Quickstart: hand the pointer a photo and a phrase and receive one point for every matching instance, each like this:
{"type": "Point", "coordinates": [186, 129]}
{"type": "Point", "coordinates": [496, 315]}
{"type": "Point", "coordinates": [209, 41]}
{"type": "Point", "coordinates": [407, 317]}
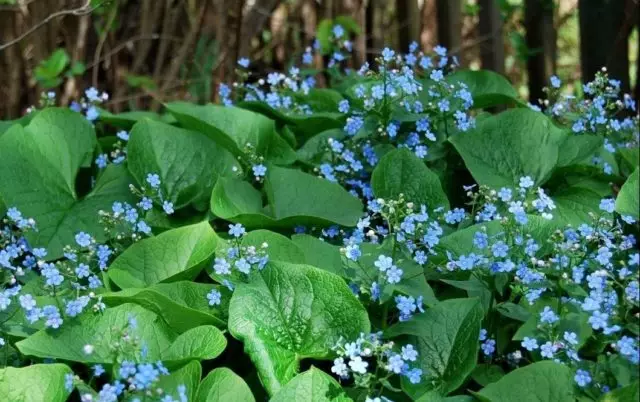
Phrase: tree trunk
{"type": "Point", "coordinates": [450, 23]}
{"type": "Point", "coordinates": [490, 36]}
{"type": "Point", "coordinates": [541, 43]}
{"type": "Point", "coordinates": [604, 34]}
{"type": "Point", "coordinates": [255, 19]}
{"type": "Point", "coordinates": [429, 25]}
{"type": "Point", "coordinates": [408, 19]}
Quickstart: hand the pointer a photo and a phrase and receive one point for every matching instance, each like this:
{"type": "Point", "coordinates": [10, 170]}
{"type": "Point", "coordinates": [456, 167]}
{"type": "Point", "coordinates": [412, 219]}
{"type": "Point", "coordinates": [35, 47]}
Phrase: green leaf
{"type": "Point", "coordinates": [234, 129]}
{"type": "Point", "coordinates": [183, 305]}
{"type": "Point", "coordinates": [460, 242]}
{"type": "Point", "coordinates": [487, 87]}
{"type": "Point", "coordinates": [630, 155]}
{"type": "Point", "coordinates": [173, 255]}
{"type": "Point", "coordinates": [320, 253]}
{"type": "Point", "coordinates": [126, 120]}
{"type": "Point", "coordinates": [324, 35]}
{"type": "Point", "coordinates": [37, 383]}
{"type": "Point", "coordinates": [223, 385]}
{"type": "Point", "coordinates": [200, 343]}
{"type": "Point", "coordinates": [574, 204]}
{"type": "Point", "coordinates": [485, 374]}
{"type": "Point", "coordinates": [627, 202]}
{"type": "Point", "coordinates": [290, 312]}
{"type": "Point", "coordinates": [401, 172]}
{"type": "Point", "coordinates": [281, 248]}
{"type": "Point", "coordinates": [188, 375]}
{"type": "Point", "coordinates": [52, 67]}
{"type": "Point", "coordinates": [505, 147]}
{"type": "Point", "coordinates": [446, 337]}
{"type": "Point", "coordinates": [544, 381]}
{"type": "Point", "coordinates": [188, 163]}
{"type": "Point", "coordinates": [513, 311]}
{"type": "Point", "coordinates": [313, 385]}
{"type": "Point", "coordinates": [628, 393]}
{"type": "Point", "coordinates": [413, 282]}
{"type": "Point", "coordinates": [575, 148]}
{"type": "Point", "coordinates": [38, 172]}
{"type": "Point", "coordinates": [101, 331]}
{"type": "Point", "coordinates": [294, 198]}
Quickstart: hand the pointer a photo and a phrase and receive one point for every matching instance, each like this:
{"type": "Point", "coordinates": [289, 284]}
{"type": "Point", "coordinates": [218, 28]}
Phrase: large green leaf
{"type": "Point", "coordinates": [37, 383]}
{"type": "Point", "coordinates": [38, 172]}
{"type": "Point", "coordinates": [101, 331]}
{"type": "Point", "coordinates": [171, 256]}
{"type": "Point", "coordinates": [235, 129]}
{"type": "Point", "coordinates": [504, 147]}
{"type": "Point", "coordinates": [290, 312]}
{"type": "Point", "coordinates": [575, 148]}
{"type": "Point", "coordinates": [281, 248]}
{"type": "Point", "coordinates": [304, 125]}
{"type": "Point", "coordinates": [294, 198]}
{"type": "Point", "coordinates": [624, 394]}
{"type": "Point", "coordinates": [320, 253]}
{"type": "Point", "coordinates": [188, 163]}
{"type": "Point", "coordinates": [401, 172]}
{"type": "Point", "coordinates": [183, 305]}
{"type": "Point", "coordinates": [574, 204]}
{"type": "Point", "coordinates": [188, 375]}
{"type": "Point", "coordinates": [446, 337]}
{"type": "Point", "coordinates": [223, 385]}
{"type": "Point", "coordinates": [313, 385]}
{"type": "Point", "coordinates": [200, 343]}
{"type": "Point", "coordinates": [544, 381]}
{"type": "Point", "coordinates": [627, 202]}
{"type": "Point", "coordinates": [488, 88]}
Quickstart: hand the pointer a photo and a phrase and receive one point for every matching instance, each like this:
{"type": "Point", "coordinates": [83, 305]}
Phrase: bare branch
{"type": "Point", "coordinates": [83, 10]}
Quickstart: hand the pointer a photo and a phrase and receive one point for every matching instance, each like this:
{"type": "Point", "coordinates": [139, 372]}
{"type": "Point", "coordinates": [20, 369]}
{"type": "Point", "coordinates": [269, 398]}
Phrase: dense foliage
{"type": "Point", "coordinates": [416, 232]}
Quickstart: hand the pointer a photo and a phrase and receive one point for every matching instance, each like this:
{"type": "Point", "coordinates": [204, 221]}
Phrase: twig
{"type": "Point", "coordinates": [103, 38]}
{"type": "Point", "coordinates": [126, 43]}
{"type": "Point", "coordinates": [83, 10]}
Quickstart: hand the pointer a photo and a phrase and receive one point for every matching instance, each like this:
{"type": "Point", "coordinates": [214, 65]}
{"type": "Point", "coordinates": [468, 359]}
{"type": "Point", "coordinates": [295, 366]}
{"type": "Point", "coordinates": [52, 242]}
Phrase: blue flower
{"type": "Point", "coordinates": [526, 182]}
{"type": "Point", "coordinates": [555, 81]}
{"type": "Point", "coordinates": [214, 297]}
{"type": "Point", "coordinates": [436, 75]}
{"type": "Point", "coordinates": [259, 170]}
{"type": "Point", "coordinates": [388, 54]}
{"type": "Point", "coordinates": [530, 344]}
{"type": "Point", "coordinates": [582, 378]}
{"type": "Point", "coordinates": [394, 275]}
{"type": "Point", "coordinates": [236, 230]}
{"type": "Point", "coordinates": [68, 382]}
{"type": "Point", "coordinates": [153, 179]}
{"type": "Point", "coordinates": [343, 106]}
{"type": "Point", "coordinates": [167, 207]}
{"type": "Point", "coordinates": [548, 316]}
{"type": "Point", "coordinates": [243, 62]}
{"type": "Point", "coordinates": [83, 239]}
{"type": "Point", "coordinates": [608, 205]}
{"type": "Point", "coordinates": [414, 375]}
{"type": "Point", "coordinates": [338, 31]}
{"type": "Point", "coordinates": [101, 161]}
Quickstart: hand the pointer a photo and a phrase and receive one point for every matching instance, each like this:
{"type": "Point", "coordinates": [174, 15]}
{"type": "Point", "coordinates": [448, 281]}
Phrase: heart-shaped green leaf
{"type": "Point", "coordinates": [290, 312]}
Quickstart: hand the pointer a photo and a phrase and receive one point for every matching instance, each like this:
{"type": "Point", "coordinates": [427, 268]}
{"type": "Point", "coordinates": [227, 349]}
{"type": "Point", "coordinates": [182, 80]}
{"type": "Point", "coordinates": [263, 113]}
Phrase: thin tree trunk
{"type": "Point", "coordinates": [490, 27]}
{"type": "Point", "coordinates": [408, 19]}
{"type": "Point", "coordinates": [254, 21]}
{"type": "Point", "coordinates": [604, 33]}
{"type": "Point", "coordinates": [429, 25]}
{"type": "Point", "coordinates": [541, 42]}
{"type": "Point", "coordinates": [450, 23]}
{"type": "Point", "coordinates": [370, 31]}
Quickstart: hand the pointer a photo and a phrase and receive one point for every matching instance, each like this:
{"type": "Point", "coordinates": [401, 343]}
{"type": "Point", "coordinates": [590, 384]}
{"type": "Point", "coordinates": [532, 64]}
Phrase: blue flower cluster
{"type": "Point", "coordinates": [358, 359]}
{"type": "Point", "coordinates": [238, 261]}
